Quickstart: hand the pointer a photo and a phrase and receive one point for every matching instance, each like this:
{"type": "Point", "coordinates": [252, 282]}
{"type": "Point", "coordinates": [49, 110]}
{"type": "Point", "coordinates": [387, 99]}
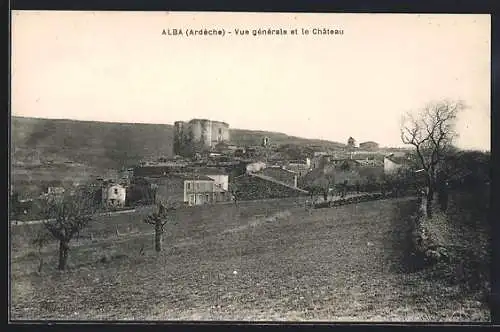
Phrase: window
{"type": "Point", "coordinates": [116, 191]}
{"type": "Point", "coordinates": [220, 131]}
{"type": "Point", "coordinates": [188, 186]}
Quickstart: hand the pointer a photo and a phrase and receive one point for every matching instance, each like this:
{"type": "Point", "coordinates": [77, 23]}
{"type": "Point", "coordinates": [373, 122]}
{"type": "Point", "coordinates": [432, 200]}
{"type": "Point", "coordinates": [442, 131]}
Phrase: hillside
{"type": "Point", "coordinates": [112, 145]}
{"type": "Point", "coordinates": [254, 137]}
{"type": "Point", "coordinates": [97, 144]}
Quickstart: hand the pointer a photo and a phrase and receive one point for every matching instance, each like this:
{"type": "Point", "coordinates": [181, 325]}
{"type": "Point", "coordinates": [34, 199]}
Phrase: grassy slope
{"type": "Point", "coordinates": [465, 232]}
{"type": "Point", "coordinates": [327, 264]}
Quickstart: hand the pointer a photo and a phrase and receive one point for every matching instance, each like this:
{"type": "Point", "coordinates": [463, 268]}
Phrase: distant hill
{"type": "Point", "coordinates": [105, 145]}
{"type": "Point", "coordinates": [254, 137]}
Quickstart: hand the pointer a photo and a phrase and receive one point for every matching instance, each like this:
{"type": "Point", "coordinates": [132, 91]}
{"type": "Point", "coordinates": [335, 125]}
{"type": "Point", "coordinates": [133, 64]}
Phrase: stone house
{"type": "Point", "coordinates": [221, 181]}
{"type": "Point", "coordinates": [301, 168]}
{"type": "Point", "coordinates": [351, 143]}
{"type": "Point", "coordinates": [114, 195]}
{"type": "Point", "coordinates": [393, 163]}
{"type": "Point", "coordinates": [344, 171]}
{"type": "Point", "coordinates": [55, 190]}
{"type": "Point", "coordinates": [187, 189]}
{"type": "Point", "coordinates": [255, 167]}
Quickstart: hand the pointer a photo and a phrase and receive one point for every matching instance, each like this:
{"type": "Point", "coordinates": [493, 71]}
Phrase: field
{"type": "Point", "coordinates": [256, 261]}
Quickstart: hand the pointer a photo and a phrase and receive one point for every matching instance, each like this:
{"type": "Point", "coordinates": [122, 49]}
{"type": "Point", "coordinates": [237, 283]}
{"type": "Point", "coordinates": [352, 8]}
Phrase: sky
{"type": "Point", "coordinates": [120, 67]}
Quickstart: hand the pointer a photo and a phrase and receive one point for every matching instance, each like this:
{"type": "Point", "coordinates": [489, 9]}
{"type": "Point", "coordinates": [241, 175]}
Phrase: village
{"type": "Point", "coordinates": [208, 169]}
{"type": "Point", "coordinates": [333, 176]}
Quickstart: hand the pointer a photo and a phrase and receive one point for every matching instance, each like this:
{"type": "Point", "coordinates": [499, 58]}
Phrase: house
{"type": "Point", "coordinates": [198, 189]}
{"type": "Point", "coordinates": [141, 191]}
{"type": "Point", "coordinates": [113, 195]}
{"type": "Point", "coordinates": [222, 161]}
{"type": "Point", "coordinates": [320, 153]}
{"type": "Point", "coordinates": [255, 167]}
{"type": "Point", "coordinates": [319, 160]}
{"type": "Point", "coordinates": [301, 168]}
{"type": "Point", "coordinates": [280, 174]}
{"type": "Point", "coordinates": [369, 163]}
{"type": "Point", "coordinates": [221, 181]}
{"type": "Point", "coordinates": [351, 143]}
{"type": "Point", "coordinates": [187, 188]}
{"type": "Point", "coordinates": [125, 176]}
{"type": "Point", "coordinates": [55, 190]}
{"type": "Point", "coordinates": [265, 141]}
{"type": "Point", "coordinates": [348, 171]}
{"type": "Point", "coordinates": [393, 163]}
{"type": "Point", "coordinates": [225, 148]}
{"type": "Point", "coordinates": [158, 169]}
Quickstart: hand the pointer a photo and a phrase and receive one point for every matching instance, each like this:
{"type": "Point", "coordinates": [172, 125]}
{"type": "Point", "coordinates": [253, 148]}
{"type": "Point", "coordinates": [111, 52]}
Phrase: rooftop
{"type": "Point", "coordinates": [210, 171]}
{"type": "Point", "coordinates": [207, 120]}
{"type": "Point", "coordinates": [398, 159]}
{"type": "Point", "coordinates": [280, 168]}
{"type": "Point", "coordinates": [183, 176]}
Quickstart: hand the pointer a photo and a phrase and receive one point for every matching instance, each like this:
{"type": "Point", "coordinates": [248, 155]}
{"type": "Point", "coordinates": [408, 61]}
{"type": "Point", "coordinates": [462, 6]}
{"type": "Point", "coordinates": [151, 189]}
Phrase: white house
{"type": "Point", "coordinates": [393, 163]}
{"type": "Point", "coordinates": [55, 190]}
{"type": "Point", "coordinates": [255, 167]}
{"type": "Point", "coordinates": [113, 195]}
{"type": "Point", "coordinates": [221, 181]}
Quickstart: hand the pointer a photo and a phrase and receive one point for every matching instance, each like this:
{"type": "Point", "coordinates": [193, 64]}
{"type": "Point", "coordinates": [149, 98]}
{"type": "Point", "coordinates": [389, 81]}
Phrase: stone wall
{"type": "Point", "coordinates": [425, 244]}
{"type": "Point", "coordinates": [169, 189]}
{"type": "Point", "coordinates": [252, 187]}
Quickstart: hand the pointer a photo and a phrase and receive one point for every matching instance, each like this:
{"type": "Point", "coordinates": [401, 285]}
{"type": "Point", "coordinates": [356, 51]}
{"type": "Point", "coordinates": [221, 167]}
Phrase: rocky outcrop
{"type": "Point", "coordinates": [425, 243]}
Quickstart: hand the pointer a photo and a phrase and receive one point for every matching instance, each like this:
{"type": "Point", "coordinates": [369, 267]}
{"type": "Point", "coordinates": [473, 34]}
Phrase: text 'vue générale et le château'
{"type": "Point", "coordinates": [251, 32]}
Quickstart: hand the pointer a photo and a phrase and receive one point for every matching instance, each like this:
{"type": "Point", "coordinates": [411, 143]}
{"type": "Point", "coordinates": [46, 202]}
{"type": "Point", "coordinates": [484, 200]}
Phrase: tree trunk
{"type": "Point", "coordinates": [158, 236]}
{"type": "Point", "coordinates": [40, 265]}
{"type": "Point", "coordinates": [443, 199]}
{"type": "Point", "coordinates": [325, 196]}
{"type": "Point", "coordinates": [430, 201]}
{"type": "Point", "coordinates": [40, 257]}
{"type": "Point", "coordinates": [63, 255]}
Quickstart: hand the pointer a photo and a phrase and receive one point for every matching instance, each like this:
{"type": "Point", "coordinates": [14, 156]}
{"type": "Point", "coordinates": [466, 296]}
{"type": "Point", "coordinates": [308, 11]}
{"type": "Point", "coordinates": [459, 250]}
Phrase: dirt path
{"type": "Point", "coordinates": [36, 222]}
{"type": "Point", "coordinates": [342, 263]}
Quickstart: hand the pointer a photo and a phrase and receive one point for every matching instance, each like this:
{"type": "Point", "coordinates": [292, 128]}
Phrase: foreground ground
{"type": "Point", "coordinates": [258, 261]}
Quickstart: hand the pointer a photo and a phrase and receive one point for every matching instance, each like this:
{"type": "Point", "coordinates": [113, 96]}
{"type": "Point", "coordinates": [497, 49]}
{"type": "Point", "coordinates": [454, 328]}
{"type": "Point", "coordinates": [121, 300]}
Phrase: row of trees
{"type": "Point", "coordinates": [326, 185]}
{"type": "Point", "coordinates": [65, 216]}
{"type": "Point", "coordinates": [436, 163]}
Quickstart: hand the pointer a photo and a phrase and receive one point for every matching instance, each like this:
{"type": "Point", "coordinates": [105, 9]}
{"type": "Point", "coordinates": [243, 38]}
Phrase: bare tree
{"type": "Point", "coordinates": [159, 218]}
{"type": "Point", "coordinates": [234, 191]}
{"type": "Point", "coordinates": [65, 216]}
{"type": "Point", "coordinates": [431, 133]}
{"type": "Point", "coordinates": [324, 183]}
{"type": "Point", "coordinates": [41, 239]}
